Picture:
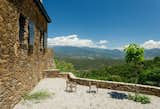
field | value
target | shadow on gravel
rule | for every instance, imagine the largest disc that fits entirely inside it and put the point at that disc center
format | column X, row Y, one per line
column 118, row 95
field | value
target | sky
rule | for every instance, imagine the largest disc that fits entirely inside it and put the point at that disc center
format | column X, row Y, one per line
column 107, row 24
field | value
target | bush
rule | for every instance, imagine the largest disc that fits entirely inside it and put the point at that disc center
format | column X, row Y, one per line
column 115, row 78
column 64, row 66
column 139, row 98
column 150, row 77
column 149, row 74
column 37, row 95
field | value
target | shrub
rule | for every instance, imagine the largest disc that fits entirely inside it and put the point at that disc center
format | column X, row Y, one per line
column 150, row 77
column 139, row 98
column 64, row 66
column 115, row 78
column 37, row 95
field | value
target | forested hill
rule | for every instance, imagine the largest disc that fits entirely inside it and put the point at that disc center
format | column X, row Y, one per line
column 107, row 65
column 94, row 53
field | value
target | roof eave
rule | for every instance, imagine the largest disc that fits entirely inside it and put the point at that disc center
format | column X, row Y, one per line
column 42, row 9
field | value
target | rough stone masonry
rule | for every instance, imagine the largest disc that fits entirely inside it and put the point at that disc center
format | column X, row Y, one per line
column 23, row 48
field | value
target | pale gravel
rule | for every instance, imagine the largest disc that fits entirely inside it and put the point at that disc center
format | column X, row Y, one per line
column 81, row 99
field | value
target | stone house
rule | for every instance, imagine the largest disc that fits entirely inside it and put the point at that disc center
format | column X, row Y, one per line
column 23, row 48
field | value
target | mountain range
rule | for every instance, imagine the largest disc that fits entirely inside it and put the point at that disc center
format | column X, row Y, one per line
column 94, row 53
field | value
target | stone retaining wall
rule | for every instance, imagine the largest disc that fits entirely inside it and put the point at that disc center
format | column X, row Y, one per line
column 151, row 90
column 52, row 73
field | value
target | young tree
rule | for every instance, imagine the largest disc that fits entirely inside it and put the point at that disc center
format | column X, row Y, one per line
column 64, row 66
column 134, row 55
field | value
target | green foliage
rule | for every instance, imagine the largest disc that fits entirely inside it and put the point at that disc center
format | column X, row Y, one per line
column 39, row 95
column 134, row 54
column 115, row 78
column 121, row 73
column 112, row 70
column 139, row 98
column 150, row 76
column 157, row 59
column 64, row 66
column 90, row 64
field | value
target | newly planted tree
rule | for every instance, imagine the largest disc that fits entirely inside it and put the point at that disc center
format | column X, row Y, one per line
column 134, row 55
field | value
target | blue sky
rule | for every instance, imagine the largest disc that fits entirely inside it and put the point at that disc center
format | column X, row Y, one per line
column 118, row 22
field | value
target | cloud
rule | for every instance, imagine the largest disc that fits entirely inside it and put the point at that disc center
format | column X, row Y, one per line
column 103, row 42
column 75, row 41
column 150, row 44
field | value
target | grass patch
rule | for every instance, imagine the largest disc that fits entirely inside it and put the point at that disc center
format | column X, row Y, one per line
column 39, row 95
column 139, row 98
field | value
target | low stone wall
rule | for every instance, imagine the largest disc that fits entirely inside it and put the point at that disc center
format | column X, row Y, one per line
column 52, row 73
column 151, row 90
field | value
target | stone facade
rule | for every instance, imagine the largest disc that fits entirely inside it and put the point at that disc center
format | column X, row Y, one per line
column 21, row 65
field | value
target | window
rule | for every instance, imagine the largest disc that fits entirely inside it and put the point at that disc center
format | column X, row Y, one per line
column 45, row 40
column 31, row 33
column 41, row 40
column 31, row 36
column 22, row 22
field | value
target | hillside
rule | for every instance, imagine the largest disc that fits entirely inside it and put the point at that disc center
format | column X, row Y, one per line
column 94, row 53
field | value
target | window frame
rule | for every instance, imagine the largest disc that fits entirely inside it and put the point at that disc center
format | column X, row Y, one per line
column 31, row 36
column 22, row 23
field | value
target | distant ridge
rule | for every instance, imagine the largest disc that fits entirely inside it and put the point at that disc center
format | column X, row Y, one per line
column 92, row 53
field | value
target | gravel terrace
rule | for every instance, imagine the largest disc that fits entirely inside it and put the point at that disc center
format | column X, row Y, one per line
column 104, row 99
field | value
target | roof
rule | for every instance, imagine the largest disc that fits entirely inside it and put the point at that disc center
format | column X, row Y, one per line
column 42, row 9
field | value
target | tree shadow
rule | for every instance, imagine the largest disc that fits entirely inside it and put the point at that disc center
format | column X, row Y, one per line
column 118, row 95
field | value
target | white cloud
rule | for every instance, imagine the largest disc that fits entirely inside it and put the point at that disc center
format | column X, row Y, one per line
column 150, row 44
column 103, row 42
column 74, row 40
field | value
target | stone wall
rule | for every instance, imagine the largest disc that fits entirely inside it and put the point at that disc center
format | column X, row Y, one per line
column 20, row 72
column 151, row 90
column 52, row 73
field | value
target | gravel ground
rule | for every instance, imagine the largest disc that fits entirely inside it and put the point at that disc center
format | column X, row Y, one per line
column 104, row 99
